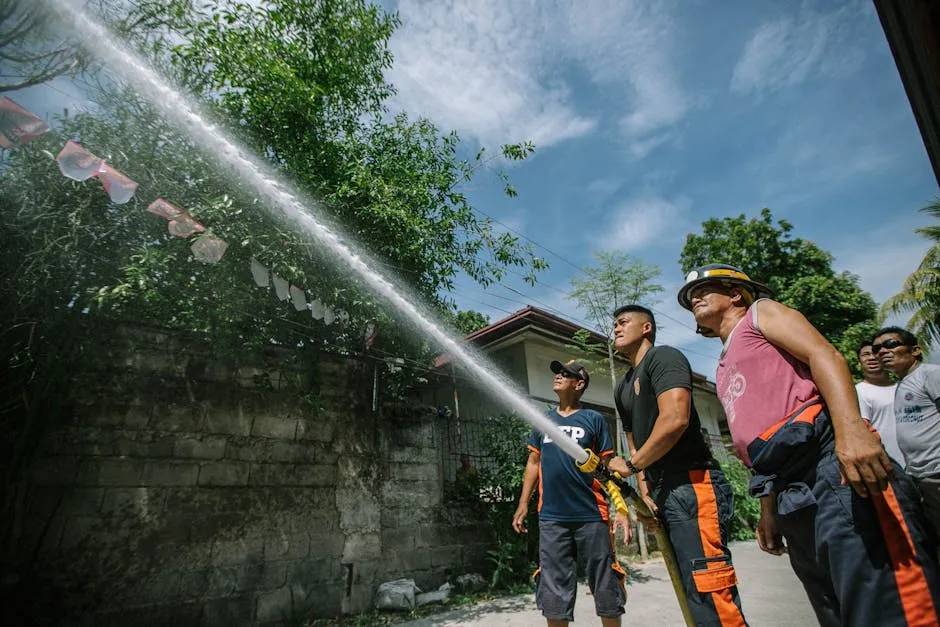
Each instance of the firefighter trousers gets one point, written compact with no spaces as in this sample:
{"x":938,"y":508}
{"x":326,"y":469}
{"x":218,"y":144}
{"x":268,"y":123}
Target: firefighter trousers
{"x":696,"y":508}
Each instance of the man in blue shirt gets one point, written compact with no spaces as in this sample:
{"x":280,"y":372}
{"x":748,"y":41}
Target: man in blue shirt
{"x":573,"y":512}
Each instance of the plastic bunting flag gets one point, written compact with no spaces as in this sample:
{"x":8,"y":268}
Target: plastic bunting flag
{"x":77,"y":163}
{"x":297,"y":298}
{"x":119,"y":186}
{"x":259,"y":273}
{"x":316,"y":309}
{"x":181,"y":224}
{"x":17,"y":125}
{"x":281,"y":288}
{"x":209,"y":249}
{"x":328,"y":316}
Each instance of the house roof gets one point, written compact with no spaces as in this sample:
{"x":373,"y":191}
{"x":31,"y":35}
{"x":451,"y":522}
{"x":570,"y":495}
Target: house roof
{"x":537,"y":319}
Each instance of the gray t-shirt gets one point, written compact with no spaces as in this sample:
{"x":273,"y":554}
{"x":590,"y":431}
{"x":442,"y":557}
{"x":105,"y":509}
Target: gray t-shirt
{"x":917,"y":415}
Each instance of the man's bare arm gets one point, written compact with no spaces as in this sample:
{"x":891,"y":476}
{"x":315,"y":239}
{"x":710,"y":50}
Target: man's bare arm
{"x":864,"y":463}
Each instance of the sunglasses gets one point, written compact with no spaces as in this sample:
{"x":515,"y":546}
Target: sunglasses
{"x":570,"y":375}
{"x":887,"y":345}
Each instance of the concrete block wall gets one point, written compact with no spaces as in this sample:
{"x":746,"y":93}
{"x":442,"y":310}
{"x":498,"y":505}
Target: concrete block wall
{"x":186,"y":488}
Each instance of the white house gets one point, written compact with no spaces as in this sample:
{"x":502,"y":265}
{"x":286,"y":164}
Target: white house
{"x":523,"y":345}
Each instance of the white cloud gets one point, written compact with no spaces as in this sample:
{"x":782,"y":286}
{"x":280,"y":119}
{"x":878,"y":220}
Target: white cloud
{"x":787,"y":51}
{"x":883,"y":264}
{"x":494,"y":70}
{"x":640,"y":221}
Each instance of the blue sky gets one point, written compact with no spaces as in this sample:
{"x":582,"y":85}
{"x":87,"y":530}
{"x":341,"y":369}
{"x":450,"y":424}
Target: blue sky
{"x":650,"y":117}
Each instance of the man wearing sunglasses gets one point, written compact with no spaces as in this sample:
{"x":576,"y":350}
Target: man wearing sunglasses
{"x":854,"y":529}
{"x":916,"y":411}
{"x":573,"y":511}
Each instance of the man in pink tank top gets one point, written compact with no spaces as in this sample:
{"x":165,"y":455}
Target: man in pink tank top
{"x":853,"y":525}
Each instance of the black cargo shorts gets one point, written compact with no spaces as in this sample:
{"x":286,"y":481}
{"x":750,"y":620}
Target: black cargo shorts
{"x":560,"y":545}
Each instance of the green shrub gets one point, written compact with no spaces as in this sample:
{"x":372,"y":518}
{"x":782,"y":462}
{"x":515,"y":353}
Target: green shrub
{"x":746,"y":509}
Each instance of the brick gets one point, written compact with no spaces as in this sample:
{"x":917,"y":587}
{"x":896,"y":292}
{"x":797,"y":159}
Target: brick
{"x":311,"y":571}
{"x":324,"y":545}
{"x":153,"y":446}
{"x":177,"y":417}
{"x":316,"y":500}
{"x":111,"y":471}
{"x":78,"y":530}
{"x":224,"y":473}
{"x":231,"y":612}
{"x":228,"y":421}
{"x":315,"y":429}
{"x":397,"y":539}
{"x":277,"y":605}
{"x":56,"y":471}
{"x":362,"y":547}
{"x":199,"y":447}
{"x":300,"y":452}
{"x":274,"y":427}
{"x":170,"y":473}
{"x":218,"y":499}
{"x":425,"y":493}
{"x":286,"y":546}
{"x":237,"y":551}
{"x":410,"y":561}
{"x":319,"y":475}
{"x":261,"y":576}
{"x":220,"y":582}
{"x":415,"y":472}
{"x":411,"y":455}
{"x":140,"y":502}
{"x":447,"y":556}
{"x":249,"y":449}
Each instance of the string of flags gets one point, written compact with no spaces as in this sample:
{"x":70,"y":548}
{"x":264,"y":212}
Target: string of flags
{"x":19,"y":126}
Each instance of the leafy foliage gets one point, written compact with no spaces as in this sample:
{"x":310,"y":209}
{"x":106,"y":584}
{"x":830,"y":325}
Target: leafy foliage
{"x":514,"y":554}
{"x":920,"y":295}
{"x":798,"y":272}
{"x":746,"y":509}
{"x":469,"y":321}
{"x":30,"y":52}
{"x":617,"y":279}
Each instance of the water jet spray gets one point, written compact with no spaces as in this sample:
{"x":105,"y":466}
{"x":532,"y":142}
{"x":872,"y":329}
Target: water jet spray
{"x":285,"y":204}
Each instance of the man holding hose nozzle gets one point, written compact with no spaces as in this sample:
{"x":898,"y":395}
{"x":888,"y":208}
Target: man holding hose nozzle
{"x":676,"y":475}
{"x":854,"y":529}
{"x":573,"y":510}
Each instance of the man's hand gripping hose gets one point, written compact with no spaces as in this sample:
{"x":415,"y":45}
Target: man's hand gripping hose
{"x":617,"y":488}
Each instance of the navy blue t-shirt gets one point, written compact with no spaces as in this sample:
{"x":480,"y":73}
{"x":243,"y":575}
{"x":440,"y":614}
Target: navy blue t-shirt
{"x":565,"y":493}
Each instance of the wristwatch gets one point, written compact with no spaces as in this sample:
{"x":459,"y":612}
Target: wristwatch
{"x":633,"y":468}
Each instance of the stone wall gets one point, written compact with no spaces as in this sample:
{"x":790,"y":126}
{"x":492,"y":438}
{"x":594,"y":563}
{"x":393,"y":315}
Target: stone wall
{"x":193,"y":488}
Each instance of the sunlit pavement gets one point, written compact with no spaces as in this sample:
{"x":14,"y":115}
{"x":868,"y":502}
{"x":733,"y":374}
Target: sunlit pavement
{"x":770,"y":593}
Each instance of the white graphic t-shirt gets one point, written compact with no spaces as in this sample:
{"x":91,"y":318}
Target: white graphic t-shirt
{"x":877,"y":405}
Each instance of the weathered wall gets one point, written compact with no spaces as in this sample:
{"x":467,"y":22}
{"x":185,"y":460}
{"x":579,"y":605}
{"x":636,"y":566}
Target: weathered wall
{"x":187,"y":488}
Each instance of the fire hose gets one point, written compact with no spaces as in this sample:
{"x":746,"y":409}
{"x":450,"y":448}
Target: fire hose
{"x":621,"y":492}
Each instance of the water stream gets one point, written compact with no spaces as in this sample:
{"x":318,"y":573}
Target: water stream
{"x":285,"y":204}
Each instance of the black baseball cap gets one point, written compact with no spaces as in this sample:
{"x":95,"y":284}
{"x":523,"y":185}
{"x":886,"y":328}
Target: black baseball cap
{"x":573,"y":368}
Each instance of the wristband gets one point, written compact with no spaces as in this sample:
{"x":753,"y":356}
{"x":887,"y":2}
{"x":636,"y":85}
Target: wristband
{"x":633,"y":468}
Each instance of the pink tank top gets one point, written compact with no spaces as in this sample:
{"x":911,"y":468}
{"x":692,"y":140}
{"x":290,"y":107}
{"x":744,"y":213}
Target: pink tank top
{"x":758,"y":384}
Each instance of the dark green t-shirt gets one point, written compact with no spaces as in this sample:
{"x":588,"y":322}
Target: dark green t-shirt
{"x":663,"y":368}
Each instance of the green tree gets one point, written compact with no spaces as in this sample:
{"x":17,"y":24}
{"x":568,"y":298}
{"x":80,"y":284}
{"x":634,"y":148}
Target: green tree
{"x":617,"y":279}
{"x":920,"y":295}
{"x":470,"y":321}
{"x":30,"y":52}
{"x":302,"y":82}
{"x":798,"y":272}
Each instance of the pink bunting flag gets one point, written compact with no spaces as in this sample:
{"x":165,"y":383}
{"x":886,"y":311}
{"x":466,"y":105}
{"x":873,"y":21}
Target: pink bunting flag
{"x":119,"y":186}
{"x":77,"y":163}
{"x":209,"y":248}
{"x":17,"y":125}
{"x":181,"y":224}
{"x":297,"y":298}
